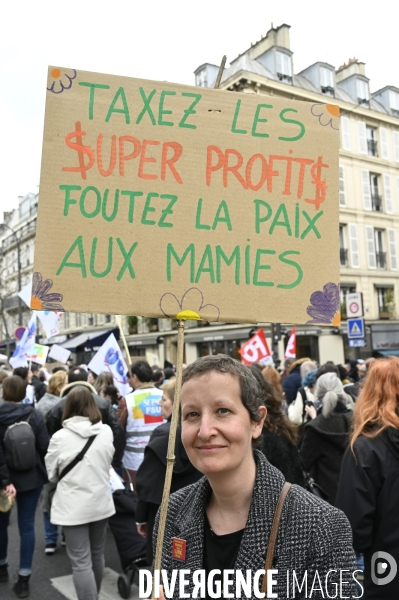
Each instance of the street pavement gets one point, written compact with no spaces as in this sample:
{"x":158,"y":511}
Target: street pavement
{"x":51,"y":577}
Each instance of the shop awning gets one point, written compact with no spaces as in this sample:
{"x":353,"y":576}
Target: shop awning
{"x":389,"y":352}
{"x":90,"y":340}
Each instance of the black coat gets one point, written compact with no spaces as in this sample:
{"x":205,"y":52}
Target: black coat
{"x":108,"y":417}
{"x":323,"y":447}
{"x":150,"y":477}
{"x":292,"y":383}
{"x":284,"y":456}
{"x":40,"y":387}
{"x":10,"y":413}
{"x":368,"y":493}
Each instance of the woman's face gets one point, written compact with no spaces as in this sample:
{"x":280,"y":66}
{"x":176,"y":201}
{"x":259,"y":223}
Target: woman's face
{"x":90,"y":378}
{"x":166,"y":405}
{"x":217,"y":431}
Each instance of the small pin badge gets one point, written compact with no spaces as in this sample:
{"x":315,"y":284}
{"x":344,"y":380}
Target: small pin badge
{"x":179,"y":549}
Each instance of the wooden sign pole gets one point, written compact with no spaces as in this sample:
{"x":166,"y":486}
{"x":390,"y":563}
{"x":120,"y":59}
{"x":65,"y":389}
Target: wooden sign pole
{"x":119,"y":323}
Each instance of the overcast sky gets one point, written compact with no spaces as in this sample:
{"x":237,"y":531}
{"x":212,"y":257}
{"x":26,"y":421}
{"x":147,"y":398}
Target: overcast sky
{"x":162,"y":40}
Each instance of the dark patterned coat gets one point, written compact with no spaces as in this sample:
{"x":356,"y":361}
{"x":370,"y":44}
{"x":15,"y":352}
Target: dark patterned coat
{"x":313,"y":536}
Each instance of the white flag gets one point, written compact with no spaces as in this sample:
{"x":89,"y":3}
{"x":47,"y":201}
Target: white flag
{"x":49,"y":319}
{"x":109,"y":358}
{"x":26,"y":346}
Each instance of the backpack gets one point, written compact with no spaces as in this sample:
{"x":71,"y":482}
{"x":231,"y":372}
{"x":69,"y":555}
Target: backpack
{"x":20,"y":446}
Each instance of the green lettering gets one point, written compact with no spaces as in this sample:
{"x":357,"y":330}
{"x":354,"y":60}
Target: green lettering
{"x":247,"y":264}
{"x":92,"y":87}
{"x":284,"y":223}
{"x":226,"y":219}
{"x":258,"y":218}
{"x":167,"y":211}
{"x":104,"y":206}
{"x":258,"y":120}
{"x":220,"y":255}
{"x":198,"y":224}
{"x":93,"y":257}
{"x":190,"y":110}
{"x":148,"y":209}
{"x":235,"y":119}
{"x":311,"y":226}
{"x":127,"y":257}
{"x":68,"y":200}
{"x":124,"y":111}
{"x":293,"y":264}
{"x":163,"y":111}
{"x":207,"y":258}
{"x":78,"y":243}
{"x":171,"y":253}
{"x":259,"y":267}
{"x":132,"y":196}
{"x":95,"y":212}
{"x":147,"y":107}
{"x":300,"y":125}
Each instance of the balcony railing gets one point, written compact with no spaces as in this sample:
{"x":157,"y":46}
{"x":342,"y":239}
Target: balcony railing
{"x":372,"y":147}
{"x":327,"y":89}
{"x":376,"y":202}
{"x":363,"y":101}
{"x":381,"y":260}
{"x":395,"y":112}
{"x":283,"y":77}
{"x":385,"y":312}
{"x":343,"y":257}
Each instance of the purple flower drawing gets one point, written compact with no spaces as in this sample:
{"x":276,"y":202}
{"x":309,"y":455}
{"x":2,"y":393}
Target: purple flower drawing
{"x":325,"y":307}
{"x":41,"y":300}
{"x":60,"y":80}
{"x":192,"y":300}
{"x":327,"y":114}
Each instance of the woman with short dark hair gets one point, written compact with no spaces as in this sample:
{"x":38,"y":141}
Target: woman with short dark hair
{"x":82,"y":501}
{"x":26,"y":484}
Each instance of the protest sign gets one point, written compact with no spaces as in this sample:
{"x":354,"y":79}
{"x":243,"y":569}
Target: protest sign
{"x":49,"y":319}
{"x":157,"y":197}
{"x":290,"y":351}
{"x":109,"y":358}
{"x":59,"y":353}
{"x":26,"y":345}
{"x":256,"y":349}
{"x":38,"y":354}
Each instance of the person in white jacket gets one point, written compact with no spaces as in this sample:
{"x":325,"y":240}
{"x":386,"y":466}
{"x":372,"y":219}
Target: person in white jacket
{"x":82,"y":501}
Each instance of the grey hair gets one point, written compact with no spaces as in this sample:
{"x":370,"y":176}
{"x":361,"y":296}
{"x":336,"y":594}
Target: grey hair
{"x":329,"y":390}
{"x":308,"y":365}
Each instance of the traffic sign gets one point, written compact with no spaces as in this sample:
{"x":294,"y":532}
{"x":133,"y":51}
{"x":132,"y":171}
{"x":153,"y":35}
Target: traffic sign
{"x":19,"y":332}
{"x":357,"y":343}
{"x":354,"y":305}
{"x":355,"y":328}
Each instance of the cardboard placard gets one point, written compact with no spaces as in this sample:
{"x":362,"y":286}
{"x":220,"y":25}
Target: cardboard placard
{"x":39,"y":354}
{"x":59,"y":353}
{"x":157,"y":197}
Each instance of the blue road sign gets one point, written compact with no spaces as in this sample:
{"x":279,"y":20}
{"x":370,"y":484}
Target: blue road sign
{"x":357,"y":343}
{"x":355,"y":328}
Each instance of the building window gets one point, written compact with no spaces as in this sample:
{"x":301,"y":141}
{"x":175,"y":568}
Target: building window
{"x":284,"y":70}
{"x":371,"y":134}
{"x":342,"y":201}
{"x":78,"y":320}
{"x":386,"y":304}
{"x":201,"y":79}
{"x":376,"y":199}
{"x":66,"y":320}
{"x":380,"y":255}
{"x":343,"y":250}
{"x":344,"y":290}
{"x":108,"y":318}
{"x":326,"y":81}
{"x":92,"y":319}
{"x":362,"y":88}
{"x":394,"y":102}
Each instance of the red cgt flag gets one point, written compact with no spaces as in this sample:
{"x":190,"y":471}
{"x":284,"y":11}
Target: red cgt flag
{"x":255,"y":349}
{"x":290,"y":351}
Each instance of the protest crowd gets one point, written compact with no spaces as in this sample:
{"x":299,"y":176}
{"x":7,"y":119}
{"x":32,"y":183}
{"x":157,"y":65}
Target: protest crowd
{"x":89,"y":458}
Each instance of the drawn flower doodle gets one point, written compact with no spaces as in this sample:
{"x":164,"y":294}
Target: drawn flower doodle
{"x":61,"y":79}
{"x":327,"y":114}
{"x":325,"y":306}
{"x":41,"y":300}
{"x":191,"y":301}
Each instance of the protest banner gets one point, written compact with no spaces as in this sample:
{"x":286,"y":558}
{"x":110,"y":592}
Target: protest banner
{"x":59,"y":353}
{"x":158,"y":197}
{"x":26,"y":345}
{"x":290,"y":351}
{"x":256,"y":349}
{"x":38,"y":354}
{"x":49,"y":319}
{"x":109,"y":358}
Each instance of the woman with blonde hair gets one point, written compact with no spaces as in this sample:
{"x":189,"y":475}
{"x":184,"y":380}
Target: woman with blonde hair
{"x":369,"y":484}
{"x":55,"y":385}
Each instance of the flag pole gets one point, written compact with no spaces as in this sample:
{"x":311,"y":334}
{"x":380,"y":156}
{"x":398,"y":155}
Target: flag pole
{"x":122,"y":333}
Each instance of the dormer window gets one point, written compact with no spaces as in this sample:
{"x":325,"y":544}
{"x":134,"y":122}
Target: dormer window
{"x":201,"y":79}
{"x":326,"y":81}
{"x":394,"y":103}
{"x":284,"y":69}
{"x":362,"y":89}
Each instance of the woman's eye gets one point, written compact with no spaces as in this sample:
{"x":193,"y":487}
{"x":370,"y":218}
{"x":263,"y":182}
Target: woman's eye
{"x":191,"y":415}
{"x":223,"y":411}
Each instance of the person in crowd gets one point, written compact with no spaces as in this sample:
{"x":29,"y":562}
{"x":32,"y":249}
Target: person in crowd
{"x":112,"y":394}
{"x":104,"y":378}
{"x":82,"y":502}
{"x":279,"y":434}
{"x":326,"y":435}
{"x":92,"y":377}
{"x":157,"y":377}
{"x":39,"y":386}
{"x":272,"y":376}
{"x":293,"y":381}
{"x":150,"y":477}
{"x":353,"y":370}
{"x":27,"y":484}
{"x":3,"y":375}
{"x":368,"y":488}
{"x":26,"y":375}
{"x":169,"y":373}
{"x":286,"y":367}
{"x":50,"y":399}
{"x":225,"y":518}
{"x":78,"y":377}
{"x":305,"y":397}
{"x":139,"y":421}
{"x":60,"y":368}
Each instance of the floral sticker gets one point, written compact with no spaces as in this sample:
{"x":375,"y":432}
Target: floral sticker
{"x":325,"y":306}
{"x":191,"y":301}
{"x":41,"y":300}
{"x":328,"y":114}
{"x":61,"y":79}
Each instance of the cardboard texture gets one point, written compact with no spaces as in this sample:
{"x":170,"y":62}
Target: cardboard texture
{"x":158,"y":197}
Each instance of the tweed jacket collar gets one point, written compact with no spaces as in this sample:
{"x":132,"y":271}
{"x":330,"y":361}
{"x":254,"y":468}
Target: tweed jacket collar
{"x":268,"y":485}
